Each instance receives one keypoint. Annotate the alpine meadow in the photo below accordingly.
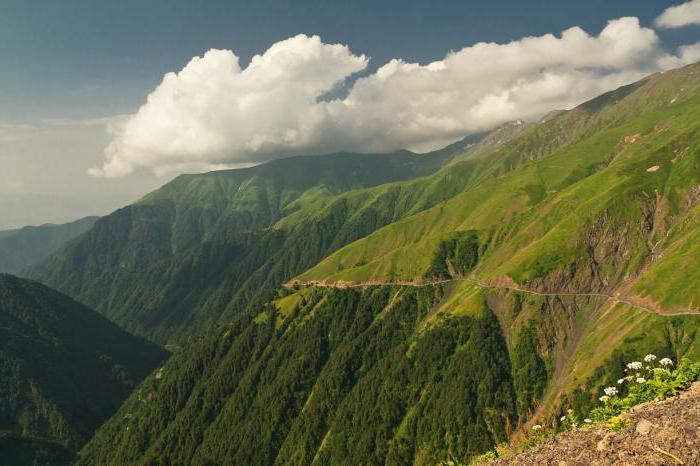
(413, 264)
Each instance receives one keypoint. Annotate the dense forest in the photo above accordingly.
(64, 369)
(358, 377)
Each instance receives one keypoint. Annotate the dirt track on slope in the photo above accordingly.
(616, 298)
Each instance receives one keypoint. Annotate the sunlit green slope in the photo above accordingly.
(592, 215)
(202, 247)
(496, 292)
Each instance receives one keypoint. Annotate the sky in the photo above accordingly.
(104, 101)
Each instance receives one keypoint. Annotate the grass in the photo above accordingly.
(598, 177)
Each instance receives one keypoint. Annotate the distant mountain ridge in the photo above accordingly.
(23, 247)
(218, 231)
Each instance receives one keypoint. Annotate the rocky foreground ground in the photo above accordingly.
(660, 433)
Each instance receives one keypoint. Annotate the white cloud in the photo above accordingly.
(681, 15)
(689, 53)
(214, 112)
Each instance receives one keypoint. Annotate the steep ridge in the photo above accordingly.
(64, 369)
(604, 230)
(168, 240)
(580, 202)
(206, 245)
(25, 247)
(456, 307)
(373, 375)
(323, 377)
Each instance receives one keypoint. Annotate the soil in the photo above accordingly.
(659, 433)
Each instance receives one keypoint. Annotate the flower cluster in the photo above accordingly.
(635, 366)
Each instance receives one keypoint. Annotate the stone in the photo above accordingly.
(604, 443)
(644, 427)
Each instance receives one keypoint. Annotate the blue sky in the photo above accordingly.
(67, 63)
(83, 59)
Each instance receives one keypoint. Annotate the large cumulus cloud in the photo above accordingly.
(213, 112)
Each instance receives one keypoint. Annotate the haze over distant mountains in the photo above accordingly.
(27, 246)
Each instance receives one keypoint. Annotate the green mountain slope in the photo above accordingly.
(64, 369)
(24, 247)
(337, 377)
(434, 317)
(534, 219)
(383, 375)
(172, 264)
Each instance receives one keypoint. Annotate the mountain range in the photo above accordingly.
(395, 308)
(24, 247)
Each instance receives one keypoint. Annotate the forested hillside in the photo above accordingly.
(24, 247)
(381, 375)
(205, 247)
(326, 377)
(64, 369)
(456, 309)
(200, 248)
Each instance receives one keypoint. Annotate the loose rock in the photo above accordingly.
(674, 433)
(644, 427)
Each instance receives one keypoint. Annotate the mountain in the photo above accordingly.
(24, 247)
(64, 369)
(428, 319)
(169, 265)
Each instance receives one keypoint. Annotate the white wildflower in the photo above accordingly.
(562, 418)
(666, 362)
(587, 421)
(650, 358)
(641, 380)
(604, 398)
(636, 365)
(610, 391)
(658, 369)
(536, 427)
(620, 381)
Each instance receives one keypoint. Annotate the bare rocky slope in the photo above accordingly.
(659, 433)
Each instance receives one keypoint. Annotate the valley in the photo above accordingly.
(351, 308)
